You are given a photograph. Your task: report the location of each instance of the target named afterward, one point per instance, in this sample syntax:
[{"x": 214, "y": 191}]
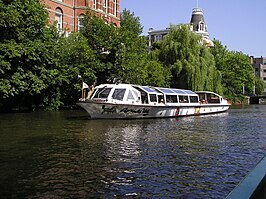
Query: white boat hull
[{"x": 101, "y": 110}]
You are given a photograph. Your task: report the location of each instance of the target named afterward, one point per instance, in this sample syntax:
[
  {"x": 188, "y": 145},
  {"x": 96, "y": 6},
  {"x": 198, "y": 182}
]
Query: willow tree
[{"x": 192, "y": 65}]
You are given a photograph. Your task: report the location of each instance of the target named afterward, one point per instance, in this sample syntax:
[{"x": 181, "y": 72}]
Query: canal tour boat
[{"x": 135, "y": 101}]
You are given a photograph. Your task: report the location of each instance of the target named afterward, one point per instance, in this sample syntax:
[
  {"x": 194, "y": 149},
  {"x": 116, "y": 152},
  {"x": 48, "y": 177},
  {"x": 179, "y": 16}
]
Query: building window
[
  {"x": 105, "y": 6},
  {"x": 158, "y": 38},
  {"x": 201, "y": 27},
  {"x": 114, "y": 7},
  {"x": 59, "y": 19},
  {"x": 94, "y": 4},
  {"x": 80, "y": 22}
]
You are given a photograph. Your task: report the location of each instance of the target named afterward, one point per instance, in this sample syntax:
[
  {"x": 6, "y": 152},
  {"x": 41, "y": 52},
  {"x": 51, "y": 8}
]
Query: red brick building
[{"x": 68, "y": 13}]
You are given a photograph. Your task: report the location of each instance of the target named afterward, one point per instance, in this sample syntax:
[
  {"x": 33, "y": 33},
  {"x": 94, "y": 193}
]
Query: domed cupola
[
  {"x": 197, "y": 22},
  {"x": 199, "y": 26}
]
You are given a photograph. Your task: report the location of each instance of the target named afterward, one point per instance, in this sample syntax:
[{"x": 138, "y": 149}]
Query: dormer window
[{"x": 201, "y": 26}]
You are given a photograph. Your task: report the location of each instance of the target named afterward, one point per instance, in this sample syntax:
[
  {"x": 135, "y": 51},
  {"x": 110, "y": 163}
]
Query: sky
[{"x": 240, "y": 25}]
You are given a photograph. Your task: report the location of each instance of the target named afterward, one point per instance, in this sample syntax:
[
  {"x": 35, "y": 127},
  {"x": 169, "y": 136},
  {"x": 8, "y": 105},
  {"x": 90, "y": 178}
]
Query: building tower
[{"x": 199, "y": 26}]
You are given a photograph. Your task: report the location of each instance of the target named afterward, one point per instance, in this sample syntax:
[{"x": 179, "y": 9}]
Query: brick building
[{"x": 68, "y": 13}]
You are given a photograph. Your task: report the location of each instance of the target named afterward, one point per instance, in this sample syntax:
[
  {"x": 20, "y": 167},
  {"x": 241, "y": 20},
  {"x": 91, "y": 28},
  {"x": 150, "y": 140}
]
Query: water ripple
[{"x": 52, "y": 155}]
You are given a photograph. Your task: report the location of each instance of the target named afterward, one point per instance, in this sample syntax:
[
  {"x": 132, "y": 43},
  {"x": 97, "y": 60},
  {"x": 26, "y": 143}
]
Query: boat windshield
[
  {"x": 119, "y": 94},
  {"x": 102, "y": 92}
]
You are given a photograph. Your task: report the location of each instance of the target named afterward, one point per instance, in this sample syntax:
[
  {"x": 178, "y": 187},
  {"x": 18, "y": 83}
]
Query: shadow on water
[{"x": 66, "y": 155}]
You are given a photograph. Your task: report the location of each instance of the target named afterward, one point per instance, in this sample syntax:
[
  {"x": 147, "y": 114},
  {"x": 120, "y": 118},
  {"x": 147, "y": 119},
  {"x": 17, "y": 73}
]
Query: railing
[{"x": 254, "y": 184}]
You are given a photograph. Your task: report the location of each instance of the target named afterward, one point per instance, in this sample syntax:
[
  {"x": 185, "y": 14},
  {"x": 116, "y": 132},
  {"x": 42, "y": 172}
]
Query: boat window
[
  {"x": 193, "y": 99},
  {"x": 202, "y": 97},
  {"x": 136, "y": 93},
  {"x": 160, "y": 99},
  {"x": 212, "y": 98},
  {"x": 183, "y": 99},
  {"x": 144, "y": 98},
  {"x": 119, "y": 93},
  {"x": 171, "y": 98},
  {"x": 102, "y": 93},
  {"x": 144, "y": 95},
  {"x": 153, "y": 98},
  {"x": 130, "y": 96}
]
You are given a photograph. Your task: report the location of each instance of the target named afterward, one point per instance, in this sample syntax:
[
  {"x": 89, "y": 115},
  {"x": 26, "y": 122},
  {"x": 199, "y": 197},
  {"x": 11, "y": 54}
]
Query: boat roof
[
  {"x": 151, "y": 90},
  {"x": 208, "y": 92},
  {"x": 176, "y": 91}
]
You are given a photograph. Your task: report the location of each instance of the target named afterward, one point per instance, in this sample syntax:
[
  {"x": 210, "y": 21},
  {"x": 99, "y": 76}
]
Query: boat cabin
[
  {"x": 135, "y": 94},
  {"x": 207, "y": 97}
]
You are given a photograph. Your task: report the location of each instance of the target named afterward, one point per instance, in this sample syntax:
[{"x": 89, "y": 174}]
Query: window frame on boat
[
  {"x": 171, "y": 98},
  {"x": 193, "y": 99},
  {"x": 183, "y": 99},
  {"x": 118, "y": 94},
  {"x": 206, "y": 97},
  {"x": 100, "y": 91},
  {"x": 147, "y": 94},
  {"x": 130, "y": 95}
]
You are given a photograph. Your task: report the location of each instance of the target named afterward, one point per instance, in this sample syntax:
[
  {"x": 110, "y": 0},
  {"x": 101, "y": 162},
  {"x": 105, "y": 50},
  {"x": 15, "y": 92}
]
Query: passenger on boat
[
  {"x": 203, "y": 101},
  {"x": 91, "y": 89}
]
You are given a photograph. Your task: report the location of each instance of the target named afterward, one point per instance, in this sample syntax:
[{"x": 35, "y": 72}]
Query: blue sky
[{"x": 238, "y": 24}]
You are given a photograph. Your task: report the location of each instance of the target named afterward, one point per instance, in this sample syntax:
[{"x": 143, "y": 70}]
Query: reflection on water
[{"x": 65, "y": 155}]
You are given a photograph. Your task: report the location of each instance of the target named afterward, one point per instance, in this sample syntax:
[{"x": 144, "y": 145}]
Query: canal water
[{"x": 65, "y": 155}]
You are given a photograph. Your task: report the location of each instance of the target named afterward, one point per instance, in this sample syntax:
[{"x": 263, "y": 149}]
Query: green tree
[
  {"x": 192, "y": 65},
  {"x": 76, "y": 58},
  {"x": 259, "y": 86},
  {"x": 134, "y": 63},
  {"x": 27, "y": 55},
  {"x": 236, "y": 70},
  {"x": 122, "y": 52},
  {"x": 104, "y": 40}
]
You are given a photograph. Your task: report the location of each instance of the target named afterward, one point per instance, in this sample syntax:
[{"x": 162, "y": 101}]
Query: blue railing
[{"x": 253, "y": 185}]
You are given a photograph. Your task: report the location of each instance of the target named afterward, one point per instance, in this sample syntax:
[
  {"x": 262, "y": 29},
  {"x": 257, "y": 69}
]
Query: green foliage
[
  {"x": 236, "y": 70},
  {"x": 76, "y": 58},
  {"x": 134, "y": 65},
  {"x": 122, "y": 52},
  {"x": 22, "y": 20},
  {"x": 38, "y": 67},
  {"x": 27, "y": 52},
  {"x": 192, "y": 65},
  {"x": 259, "y": 86},
  {"x": 104, "y": 40},
  {"x": 130, "y": 23}
]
